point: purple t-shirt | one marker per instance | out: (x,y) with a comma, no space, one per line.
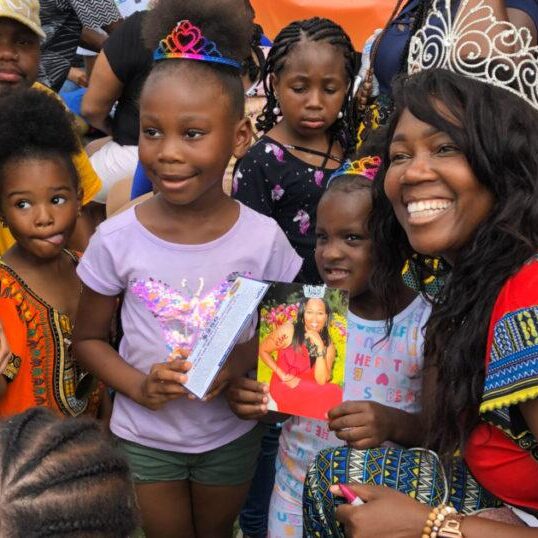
(122,251)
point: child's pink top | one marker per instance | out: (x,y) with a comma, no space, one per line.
(121,251)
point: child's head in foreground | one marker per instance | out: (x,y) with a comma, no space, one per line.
(62,477)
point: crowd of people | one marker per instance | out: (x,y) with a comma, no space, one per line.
(405,174)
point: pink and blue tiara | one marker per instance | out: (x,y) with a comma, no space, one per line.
(367,167)
(186,41)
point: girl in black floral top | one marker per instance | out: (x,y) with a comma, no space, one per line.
(308,80)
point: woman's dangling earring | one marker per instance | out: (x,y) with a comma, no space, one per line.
(340,115)
(276,110)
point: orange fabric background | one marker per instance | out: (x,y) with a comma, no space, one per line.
(359,17)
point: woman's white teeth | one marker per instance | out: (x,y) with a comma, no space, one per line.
(429,206)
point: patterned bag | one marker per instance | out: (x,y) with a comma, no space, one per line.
(416,472)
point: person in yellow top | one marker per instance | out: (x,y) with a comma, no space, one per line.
(20,35)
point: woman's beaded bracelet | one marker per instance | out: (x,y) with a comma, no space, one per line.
(435,520)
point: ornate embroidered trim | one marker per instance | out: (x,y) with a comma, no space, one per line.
(512,375)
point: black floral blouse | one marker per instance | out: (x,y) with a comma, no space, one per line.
(273,181)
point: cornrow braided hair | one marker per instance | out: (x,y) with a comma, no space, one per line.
(250,67)
(318,30)
(62,477)
(385,108)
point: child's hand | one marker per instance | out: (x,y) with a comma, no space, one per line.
(362,424)
(164,383)
(248,398)
(219,384)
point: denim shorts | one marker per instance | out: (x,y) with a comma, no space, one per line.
(228,465)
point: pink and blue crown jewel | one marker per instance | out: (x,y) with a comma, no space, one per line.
(186,41)
(367,167)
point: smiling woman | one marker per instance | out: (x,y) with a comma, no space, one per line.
(452,143)
(434,192)
(461,183)
(302,377)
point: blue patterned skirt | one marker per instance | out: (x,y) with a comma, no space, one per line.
(415,472)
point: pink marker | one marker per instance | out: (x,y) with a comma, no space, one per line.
(350,496)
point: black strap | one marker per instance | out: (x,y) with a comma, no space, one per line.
(326,155)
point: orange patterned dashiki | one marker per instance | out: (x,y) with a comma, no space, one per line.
(43,372)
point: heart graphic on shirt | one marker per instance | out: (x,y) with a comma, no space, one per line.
(382,379)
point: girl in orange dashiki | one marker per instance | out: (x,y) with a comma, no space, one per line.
(40,200)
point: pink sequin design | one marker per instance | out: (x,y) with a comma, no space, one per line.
(181,314)
(303,218)
(235,181)
(318,177)
(276,193)
(277,151)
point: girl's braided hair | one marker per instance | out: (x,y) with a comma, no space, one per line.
(417,22)
(318,30)
(250,66)
(62,477)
